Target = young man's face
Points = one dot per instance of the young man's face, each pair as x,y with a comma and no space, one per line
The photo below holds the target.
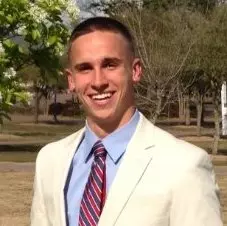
103,72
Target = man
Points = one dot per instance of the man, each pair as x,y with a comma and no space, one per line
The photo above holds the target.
119,169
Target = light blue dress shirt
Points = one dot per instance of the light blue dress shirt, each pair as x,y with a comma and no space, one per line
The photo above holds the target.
115,144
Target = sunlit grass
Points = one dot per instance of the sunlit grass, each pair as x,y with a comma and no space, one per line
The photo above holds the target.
14,156
16,195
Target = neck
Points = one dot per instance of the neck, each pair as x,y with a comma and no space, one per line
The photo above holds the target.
104,128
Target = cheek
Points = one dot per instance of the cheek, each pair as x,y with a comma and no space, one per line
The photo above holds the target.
120,79
124,82
80,84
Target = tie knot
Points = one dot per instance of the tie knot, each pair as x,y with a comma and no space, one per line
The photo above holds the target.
99,149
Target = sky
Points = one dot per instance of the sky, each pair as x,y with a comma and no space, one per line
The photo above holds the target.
82,5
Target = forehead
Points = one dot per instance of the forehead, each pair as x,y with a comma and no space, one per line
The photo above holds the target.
99,44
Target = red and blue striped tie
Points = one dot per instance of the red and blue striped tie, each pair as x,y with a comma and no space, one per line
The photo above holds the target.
95,190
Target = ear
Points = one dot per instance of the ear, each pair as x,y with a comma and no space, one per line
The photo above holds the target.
71,83
136,70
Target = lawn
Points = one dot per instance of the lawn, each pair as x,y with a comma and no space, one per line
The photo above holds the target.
21,130
15,201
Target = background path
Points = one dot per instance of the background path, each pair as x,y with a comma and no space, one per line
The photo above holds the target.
30,167
17,167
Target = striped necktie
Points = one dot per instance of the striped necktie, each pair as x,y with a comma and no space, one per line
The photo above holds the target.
95,190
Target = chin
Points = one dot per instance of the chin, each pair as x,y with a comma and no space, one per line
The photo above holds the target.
103,116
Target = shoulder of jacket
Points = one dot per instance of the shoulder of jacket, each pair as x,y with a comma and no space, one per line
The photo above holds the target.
54,148
176,152
183,155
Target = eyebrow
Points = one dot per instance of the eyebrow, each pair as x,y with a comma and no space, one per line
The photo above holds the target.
103,61
114,60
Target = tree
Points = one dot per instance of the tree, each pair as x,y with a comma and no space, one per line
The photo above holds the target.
112,7
192,85
34,32
210,56
200,5
10,91
215,62
163,41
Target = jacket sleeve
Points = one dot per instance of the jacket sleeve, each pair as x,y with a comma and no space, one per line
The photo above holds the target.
38,210
196,197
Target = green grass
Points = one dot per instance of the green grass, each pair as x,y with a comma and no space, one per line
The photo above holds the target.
39,129
15,133
15,156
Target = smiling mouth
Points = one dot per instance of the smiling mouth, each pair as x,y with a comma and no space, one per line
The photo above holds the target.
101,96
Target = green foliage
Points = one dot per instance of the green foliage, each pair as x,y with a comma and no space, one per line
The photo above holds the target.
32,32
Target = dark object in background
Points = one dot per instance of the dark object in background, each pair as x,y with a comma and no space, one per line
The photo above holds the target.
55,109
69,108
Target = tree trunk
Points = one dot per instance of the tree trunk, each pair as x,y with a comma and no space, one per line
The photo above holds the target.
217,127
37,102
199,117
199,108
149,93
46,106
36,114
55,113
187,111
148,96
203,115
154,115
181,112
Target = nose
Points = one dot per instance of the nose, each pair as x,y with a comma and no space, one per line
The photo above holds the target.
99,81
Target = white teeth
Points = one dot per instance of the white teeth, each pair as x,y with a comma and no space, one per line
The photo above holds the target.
101,96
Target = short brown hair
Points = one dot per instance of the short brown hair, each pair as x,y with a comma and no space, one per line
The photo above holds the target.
102,24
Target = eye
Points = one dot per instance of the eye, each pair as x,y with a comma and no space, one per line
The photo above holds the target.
83,68
110,65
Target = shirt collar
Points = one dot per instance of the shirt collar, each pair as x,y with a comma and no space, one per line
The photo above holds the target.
116,142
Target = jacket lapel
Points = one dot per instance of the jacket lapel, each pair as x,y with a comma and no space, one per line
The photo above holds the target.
70,149
136,159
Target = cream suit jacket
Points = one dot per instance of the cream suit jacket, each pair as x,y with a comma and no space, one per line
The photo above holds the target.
162,181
